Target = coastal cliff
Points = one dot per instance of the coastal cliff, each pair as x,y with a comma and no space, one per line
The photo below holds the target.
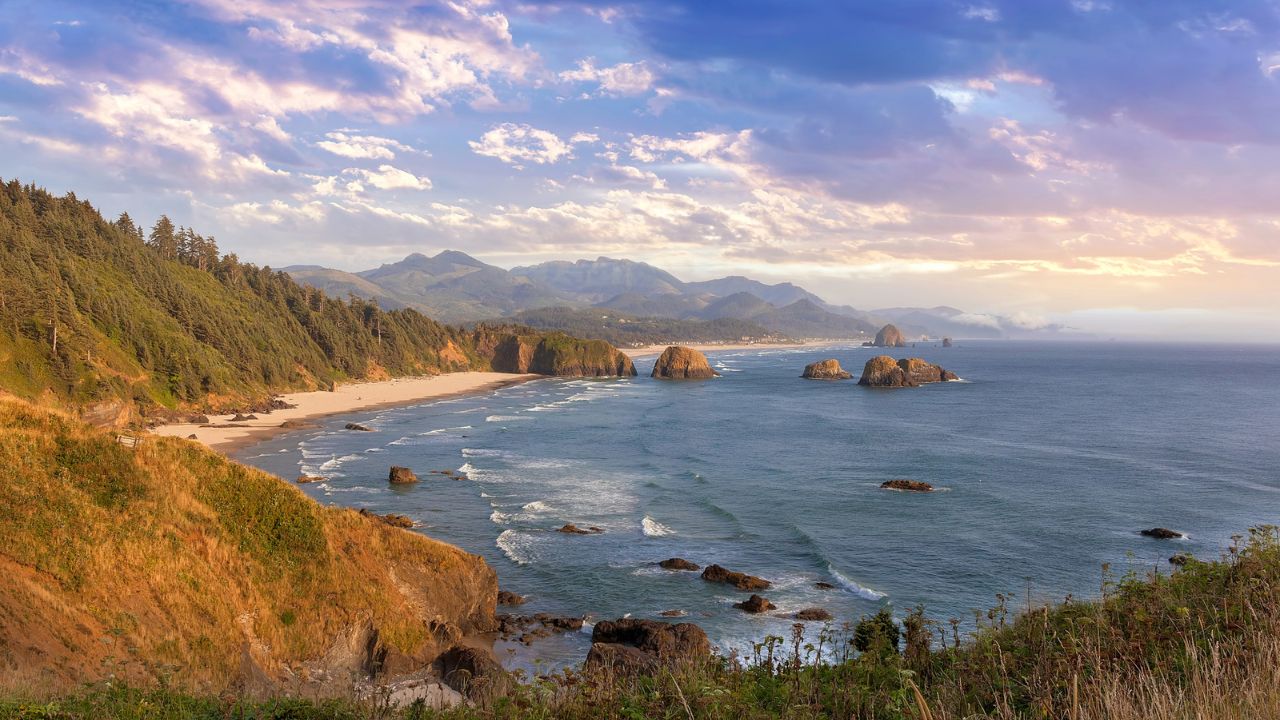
133,562
553,354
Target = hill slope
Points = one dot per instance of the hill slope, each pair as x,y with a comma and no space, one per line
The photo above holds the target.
92,317
168,559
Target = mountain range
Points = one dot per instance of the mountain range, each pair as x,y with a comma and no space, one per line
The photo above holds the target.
456,288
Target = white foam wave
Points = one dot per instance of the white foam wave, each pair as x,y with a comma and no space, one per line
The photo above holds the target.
480,452
445,430
515,546
855,588
653,528
536,506
466,469
505,418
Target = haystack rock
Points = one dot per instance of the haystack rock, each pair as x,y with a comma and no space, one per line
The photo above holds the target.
884,371
401,476
946,342
826,370
682,363
890,336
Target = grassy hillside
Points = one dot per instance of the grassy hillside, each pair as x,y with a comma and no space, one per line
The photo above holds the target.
1202,642
168,563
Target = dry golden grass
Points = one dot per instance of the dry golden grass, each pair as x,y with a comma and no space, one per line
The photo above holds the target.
170,562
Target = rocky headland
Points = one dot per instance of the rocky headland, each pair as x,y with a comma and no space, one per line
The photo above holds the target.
553,354
682,363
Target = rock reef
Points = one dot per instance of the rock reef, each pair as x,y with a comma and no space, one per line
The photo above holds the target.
826,370
742,581
907,485
682,363
1160,533
401,476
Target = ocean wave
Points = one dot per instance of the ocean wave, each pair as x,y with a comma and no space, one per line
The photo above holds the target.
480,452
407,440
854,587
445,430
537,506
653,528
466,469
505,418
375,450
516,546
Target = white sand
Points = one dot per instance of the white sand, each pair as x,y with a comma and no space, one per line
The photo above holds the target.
347,398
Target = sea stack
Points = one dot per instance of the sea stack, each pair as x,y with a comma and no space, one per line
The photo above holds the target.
946,342
884,371
401,476
890,336
826,370
682,363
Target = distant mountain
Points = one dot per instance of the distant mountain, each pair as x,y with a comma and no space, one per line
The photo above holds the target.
625,330
457,288
776,295
602,278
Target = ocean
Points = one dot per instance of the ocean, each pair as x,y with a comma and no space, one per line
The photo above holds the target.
1048,458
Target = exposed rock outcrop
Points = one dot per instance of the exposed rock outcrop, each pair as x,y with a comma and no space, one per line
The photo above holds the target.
823,585
742,581
826,370
1160,533
678,564
358,427
907,485
571,529
401,476
510,599
682,363
884,371
629,645
812,615
551,354
304,479
755,605
392,519
890,336
473,672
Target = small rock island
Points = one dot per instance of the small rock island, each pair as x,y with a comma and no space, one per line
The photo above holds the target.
682,363
826,370
884,371
889,336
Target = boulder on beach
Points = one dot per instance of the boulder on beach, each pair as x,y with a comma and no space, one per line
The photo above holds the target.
401,476
243,418
358,427
678,564
630,645
682,363
198,419
890,336
297,424
742,581
473,672
907,485
510,599
1160,533
812,615
755,605
884,371
826,370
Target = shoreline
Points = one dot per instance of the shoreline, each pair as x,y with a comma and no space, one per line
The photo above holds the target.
648,350
354,397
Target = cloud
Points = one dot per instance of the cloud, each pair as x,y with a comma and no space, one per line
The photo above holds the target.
621,79
369,147
519,144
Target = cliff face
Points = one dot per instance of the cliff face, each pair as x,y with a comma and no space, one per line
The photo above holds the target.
552,354
826,370
682,363
123,562
884,371
890,336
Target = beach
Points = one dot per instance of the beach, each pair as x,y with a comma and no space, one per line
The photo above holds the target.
227,436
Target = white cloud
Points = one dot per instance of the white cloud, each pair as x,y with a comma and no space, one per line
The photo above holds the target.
621,79
355,181
518,144
370,147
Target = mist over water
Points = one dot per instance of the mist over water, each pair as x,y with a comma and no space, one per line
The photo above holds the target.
1050,457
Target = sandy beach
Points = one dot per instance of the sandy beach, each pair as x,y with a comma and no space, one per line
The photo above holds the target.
634,353
346,399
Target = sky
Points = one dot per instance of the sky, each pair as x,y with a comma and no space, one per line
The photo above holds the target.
1106,165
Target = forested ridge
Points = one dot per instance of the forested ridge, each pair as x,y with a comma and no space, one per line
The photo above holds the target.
99,311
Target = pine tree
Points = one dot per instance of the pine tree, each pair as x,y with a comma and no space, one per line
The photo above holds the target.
164,239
